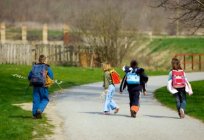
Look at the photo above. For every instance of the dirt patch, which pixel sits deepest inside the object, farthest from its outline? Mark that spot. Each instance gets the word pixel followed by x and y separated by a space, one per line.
pixel 53 119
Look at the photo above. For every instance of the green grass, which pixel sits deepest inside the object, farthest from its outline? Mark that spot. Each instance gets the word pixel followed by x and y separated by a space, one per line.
pixel 13 33
pixel 55 35
pixel 178 45
pixel 17 124
pixel 195 103
pixel 34 34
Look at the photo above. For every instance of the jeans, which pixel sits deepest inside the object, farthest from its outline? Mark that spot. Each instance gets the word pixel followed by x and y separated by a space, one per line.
pixel 109 102
pixel 180 97
pixel 40 99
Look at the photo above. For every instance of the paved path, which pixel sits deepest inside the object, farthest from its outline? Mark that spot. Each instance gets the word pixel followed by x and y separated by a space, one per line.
pixel 81 108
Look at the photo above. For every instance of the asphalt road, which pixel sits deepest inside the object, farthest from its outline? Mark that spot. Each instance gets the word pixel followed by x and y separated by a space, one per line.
pixel 82 111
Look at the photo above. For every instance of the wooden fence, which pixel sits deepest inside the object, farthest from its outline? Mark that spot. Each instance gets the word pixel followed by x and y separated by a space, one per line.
pixel 191 61
pixel 57 54
pixel 15 54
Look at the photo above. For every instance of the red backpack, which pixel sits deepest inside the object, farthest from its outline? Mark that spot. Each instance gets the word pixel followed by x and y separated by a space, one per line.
pixel 178 79
pixel 115 77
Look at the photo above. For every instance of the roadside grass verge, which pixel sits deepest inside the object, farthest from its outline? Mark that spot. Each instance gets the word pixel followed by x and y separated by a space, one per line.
pixel 15 123
pixel 195 104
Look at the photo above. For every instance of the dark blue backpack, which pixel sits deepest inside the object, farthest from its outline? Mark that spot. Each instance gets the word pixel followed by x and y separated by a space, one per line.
pixel 38 77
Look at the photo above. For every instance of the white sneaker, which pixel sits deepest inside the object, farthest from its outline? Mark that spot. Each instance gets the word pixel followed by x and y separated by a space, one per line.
pixel 182 113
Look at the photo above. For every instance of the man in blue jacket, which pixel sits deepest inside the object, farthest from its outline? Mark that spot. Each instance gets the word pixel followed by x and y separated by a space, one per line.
pixel 37 78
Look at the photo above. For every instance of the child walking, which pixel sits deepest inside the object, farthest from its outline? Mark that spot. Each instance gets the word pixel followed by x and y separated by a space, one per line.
pixel 178 85
pixel 109 90
pixel 135 80
pixel 40 78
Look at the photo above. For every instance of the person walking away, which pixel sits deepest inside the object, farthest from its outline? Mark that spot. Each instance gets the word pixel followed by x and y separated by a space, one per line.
pixel 135 80
pixel 40 77
pixel 109 88
pixel 178 85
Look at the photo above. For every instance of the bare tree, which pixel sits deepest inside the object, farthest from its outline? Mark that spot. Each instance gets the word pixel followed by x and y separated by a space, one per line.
pixel 101 29
pixel 187 12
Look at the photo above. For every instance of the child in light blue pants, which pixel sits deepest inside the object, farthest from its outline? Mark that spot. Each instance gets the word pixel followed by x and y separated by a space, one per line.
pixel 109 102
pixel 109 90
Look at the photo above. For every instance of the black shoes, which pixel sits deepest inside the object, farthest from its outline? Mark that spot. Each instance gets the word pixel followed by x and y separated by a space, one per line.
pixel 38 114
pixel 133 113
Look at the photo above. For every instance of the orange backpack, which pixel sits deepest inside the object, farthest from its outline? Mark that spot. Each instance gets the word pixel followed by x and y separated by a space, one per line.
pixel 115 77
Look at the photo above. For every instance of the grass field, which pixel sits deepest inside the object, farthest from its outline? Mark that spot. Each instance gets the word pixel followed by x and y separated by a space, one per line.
pixel 195 104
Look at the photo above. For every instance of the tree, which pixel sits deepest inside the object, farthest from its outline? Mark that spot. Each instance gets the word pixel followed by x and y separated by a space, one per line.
pixel 187 12
pixel 101 29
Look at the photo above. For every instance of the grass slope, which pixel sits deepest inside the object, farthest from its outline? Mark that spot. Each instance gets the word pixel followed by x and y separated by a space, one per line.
pixel 178 45
pixel 158 53
pixel 195 104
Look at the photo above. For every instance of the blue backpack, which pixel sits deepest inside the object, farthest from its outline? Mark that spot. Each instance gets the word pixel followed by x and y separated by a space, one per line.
pixel 38 77
pixel 133 78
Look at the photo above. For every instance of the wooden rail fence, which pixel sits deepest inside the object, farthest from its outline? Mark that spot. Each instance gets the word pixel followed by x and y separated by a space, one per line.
pixel 191 61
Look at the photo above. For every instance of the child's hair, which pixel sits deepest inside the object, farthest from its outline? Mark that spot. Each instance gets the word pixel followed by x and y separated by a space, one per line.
pixel 175 64
pixel 42 58
pixel 106 66
pixel 133 64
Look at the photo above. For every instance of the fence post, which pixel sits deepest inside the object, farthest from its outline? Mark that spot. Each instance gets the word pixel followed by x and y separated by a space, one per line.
pixel 66 35
pixel 200 67
pixel 24 33
pixel 3 33
pixel 192 61
pixel 45 34
pixel 184 61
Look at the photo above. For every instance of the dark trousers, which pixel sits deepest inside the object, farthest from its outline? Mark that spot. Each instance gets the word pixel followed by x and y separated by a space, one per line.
pixel 134 96
pixel 180 97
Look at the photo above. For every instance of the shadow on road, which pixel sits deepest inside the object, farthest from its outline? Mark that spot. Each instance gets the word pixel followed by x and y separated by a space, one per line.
pixel 155 116
pixel 101 113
